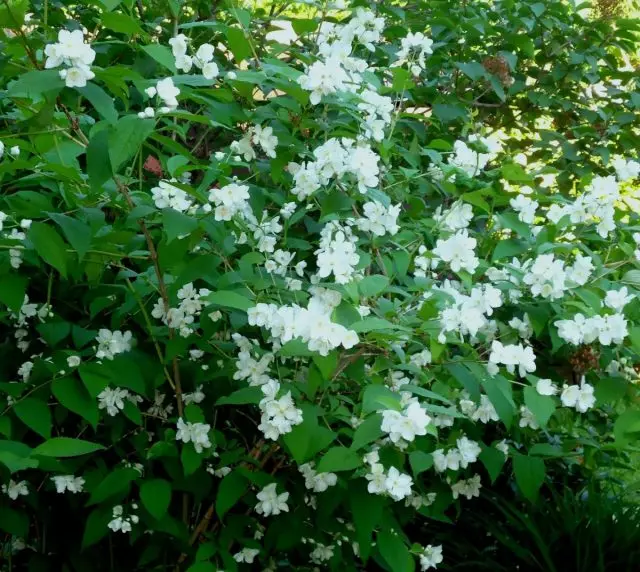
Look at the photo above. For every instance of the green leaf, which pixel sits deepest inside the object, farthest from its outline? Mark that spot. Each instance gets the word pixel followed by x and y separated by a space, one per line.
pixel 162 54
pixel 75 231
pixel 339 459
pixel 447 113
pixel 98 163
pixel 34 83
pixel 420 462
pixel 367 514
pixel 242 397
pixel 49 246
pixel 326 364
pixel 72 394
pixel 126 138
pixel 474 70
pixel 102 102
pixel 115 483
pixel 542 406
pixel 367 432
pixel 238 44
pixel 232 488
pixel 514 173
pixel 308 438
pixel 176 224
pixel 493 460
pixel 394 552
pixel 35 414
pixel 191 459
pixel 230 299
pixel 509 248
pixel 530 473
pixel 66 447
pixel 156 496
pixel 373 285
pixel 96 527
pixel 12 290
pixel 14 522
pixel 372 324
pixel 378 397
pixel 498 391
pixel 121 23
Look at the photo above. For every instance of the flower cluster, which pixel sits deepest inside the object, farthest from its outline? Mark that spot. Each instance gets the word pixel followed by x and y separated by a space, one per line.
pixel 196 433
pixel 202 59
pixel 72 51
pixel 110 344
pixel 183 317
pixel 121 522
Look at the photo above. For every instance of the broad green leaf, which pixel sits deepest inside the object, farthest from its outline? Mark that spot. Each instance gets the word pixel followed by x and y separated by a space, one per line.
pixel 474 70
pixel 121 23
pixel 339 459
pixel 509 248
pixel 156 496
pixel 238 44
pixel 326 364
pixel 232 488
pixel 176 224
pixel 162 54
pixel 102 102
pixel 35 414
pixel 542 406
pixel 98 162
pixel 367 514
pixel 35 83
pixel 493 460
pixel 498 391
pixel 514 173
pixel 420 462
pixel 373 285
pixel 230 299
pixel 115 484
pixel 96 526
pixel 190 458
pixel 530 473
pixel 394 552
pixel 66 447
pixel 371 324
pixel 242 397
pixel 367 432
pixel 75 231
pixel 14 522
pixel 49 246
pixel 377 397
pixel 72 394
pixel 126 138
pixel 308 438
pixel 12 290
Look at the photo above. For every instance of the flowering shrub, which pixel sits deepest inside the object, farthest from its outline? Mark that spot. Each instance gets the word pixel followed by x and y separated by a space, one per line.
pixel 277 293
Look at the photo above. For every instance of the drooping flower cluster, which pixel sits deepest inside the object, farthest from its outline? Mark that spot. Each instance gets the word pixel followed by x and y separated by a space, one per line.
pixel 513 356
pixel 279 414
pixel 393 483
pixel 166 195
pixel 270 502
pixel 317 482
pixel 121 522
pixel 72 51
pixel 459 457
pixel 337 253
pixel 378 219
pixel 403 427
pixel 608 329
pixel 256 136
pixel 312 325
pixel 202 59
pixel 183 317
pixel 196 433
pixel 110 344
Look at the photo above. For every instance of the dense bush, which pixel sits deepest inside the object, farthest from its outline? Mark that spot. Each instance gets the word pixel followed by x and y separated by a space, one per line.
pixel 286 287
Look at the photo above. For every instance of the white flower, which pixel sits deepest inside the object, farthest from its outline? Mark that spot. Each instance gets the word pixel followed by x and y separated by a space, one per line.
pixel 112 400
pixel 210 70
pixel 15 151
pixel 166 195
pixel 626 170
pixel 196 433
pixel 76 76
pixel 270 502
pixel 379 219
pixel 68 483
pixel 196 397
pixel 324 78
pixel 581 397
pixel 15 489
pixel 377 479
pixel 525 207
pixel 230 200
pixel 458 251
pixel 546 387
pixel 397 484
pixel 468 488
pixel 413 421
pixel 168 92
pixel 618 299
pixel 430 557
pixel 113 343
pixel 527 419
pixel 468 451
pixel 264 137
pixel 73 361
pixel 246 555
pixel 204 55
pixel 179 45
pixel 317 482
